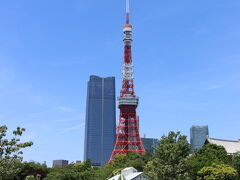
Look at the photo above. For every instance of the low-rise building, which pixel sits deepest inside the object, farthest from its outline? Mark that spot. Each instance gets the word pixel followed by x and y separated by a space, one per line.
pixel 232 147
pixel 60 163
pixel 129 173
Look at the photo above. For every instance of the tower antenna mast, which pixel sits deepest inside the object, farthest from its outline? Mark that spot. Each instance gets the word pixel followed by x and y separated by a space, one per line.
pixel 127 12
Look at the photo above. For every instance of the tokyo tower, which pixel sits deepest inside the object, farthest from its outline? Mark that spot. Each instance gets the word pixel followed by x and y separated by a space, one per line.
pixel 128 135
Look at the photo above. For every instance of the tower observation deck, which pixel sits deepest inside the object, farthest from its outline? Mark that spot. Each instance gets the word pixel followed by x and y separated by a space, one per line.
pixel 128 135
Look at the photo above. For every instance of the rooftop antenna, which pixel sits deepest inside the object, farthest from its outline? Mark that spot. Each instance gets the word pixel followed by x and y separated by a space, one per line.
pixel 127 12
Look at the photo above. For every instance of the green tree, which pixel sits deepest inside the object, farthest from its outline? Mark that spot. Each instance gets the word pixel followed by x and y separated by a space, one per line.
pixel 236 162
pixel 31 168
pixel 78 171
pixel 169 158
pixel 130 159
pixel 206 156
pixel 217 172
pixel 30 178
pixel 11 152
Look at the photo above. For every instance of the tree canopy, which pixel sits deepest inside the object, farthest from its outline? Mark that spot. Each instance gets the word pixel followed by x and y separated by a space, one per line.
pixel 171 160
pixel 168 159
pixel 131 159
pixel 217 172
pixel 206 156
pixel 78 171
pixel 11 151
pixel 235 162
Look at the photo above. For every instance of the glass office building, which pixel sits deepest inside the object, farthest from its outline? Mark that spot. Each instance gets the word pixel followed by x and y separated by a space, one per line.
pixel 149 144
pixel 100 127
pixel 198 136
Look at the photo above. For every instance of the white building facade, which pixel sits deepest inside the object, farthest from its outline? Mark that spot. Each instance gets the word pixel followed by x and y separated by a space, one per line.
pixel 129 173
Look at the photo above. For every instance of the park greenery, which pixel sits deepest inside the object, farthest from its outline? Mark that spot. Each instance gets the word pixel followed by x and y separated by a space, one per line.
pixel 11 152
pixel 171 160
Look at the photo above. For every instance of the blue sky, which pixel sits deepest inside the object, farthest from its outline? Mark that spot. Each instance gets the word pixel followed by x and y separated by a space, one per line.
pixel 185 53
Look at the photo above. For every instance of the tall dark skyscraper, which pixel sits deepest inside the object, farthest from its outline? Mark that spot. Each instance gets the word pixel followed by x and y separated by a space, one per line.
pixel 198 136
pixel 100 127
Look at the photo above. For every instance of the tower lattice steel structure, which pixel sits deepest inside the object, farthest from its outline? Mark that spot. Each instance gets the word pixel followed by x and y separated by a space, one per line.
pixel 128 136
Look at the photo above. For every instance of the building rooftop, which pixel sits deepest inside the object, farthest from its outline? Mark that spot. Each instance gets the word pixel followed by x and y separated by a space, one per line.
pixel 127 173
pixel 197 126
pixel 231 146
pixel 94 77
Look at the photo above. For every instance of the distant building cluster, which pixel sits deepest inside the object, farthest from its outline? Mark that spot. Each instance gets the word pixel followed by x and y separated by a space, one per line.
pixel 103 141
pixel 100 122
pixel 62 163
pixel 199 135
pixel 100 127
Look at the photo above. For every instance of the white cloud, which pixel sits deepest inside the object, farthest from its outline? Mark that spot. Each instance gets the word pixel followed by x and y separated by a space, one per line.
pixel 69 120
pixel 65 109
pixel 58 108
pixel 73 128
pixel 41 112
pixel 214 87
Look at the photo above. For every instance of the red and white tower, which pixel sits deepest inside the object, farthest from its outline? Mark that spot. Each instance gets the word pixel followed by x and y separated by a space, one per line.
pixel 128 136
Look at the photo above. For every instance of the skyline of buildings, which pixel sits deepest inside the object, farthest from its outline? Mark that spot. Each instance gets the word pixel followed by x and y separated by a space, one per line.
pixel 185 74
pixel 100 126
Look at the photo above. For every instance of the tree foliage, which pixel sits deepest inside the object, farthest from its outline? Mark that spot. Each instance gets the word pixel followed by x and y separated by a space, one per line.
pixel 170 161
pixel 78 171
pixel 32 169
pixel 217 172
pixel 206 156
pixel 235 161
pixel 31 177
pixel 131 159
pixel 11 152
pixel 169 158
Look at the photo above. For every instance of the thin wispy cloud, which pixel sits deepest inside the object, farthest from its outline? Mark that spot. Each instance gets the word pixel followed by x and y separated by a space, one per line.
pixel 73 128
pixel 214 87
pixel 59 108
pixel 42 112
pixel 65 109
pixel 69 120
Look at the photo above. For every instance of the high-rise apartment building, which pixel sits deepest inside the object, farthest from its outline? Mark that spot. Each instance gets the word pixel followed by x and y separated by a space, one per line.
pixel 100 127
pixel 198 136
